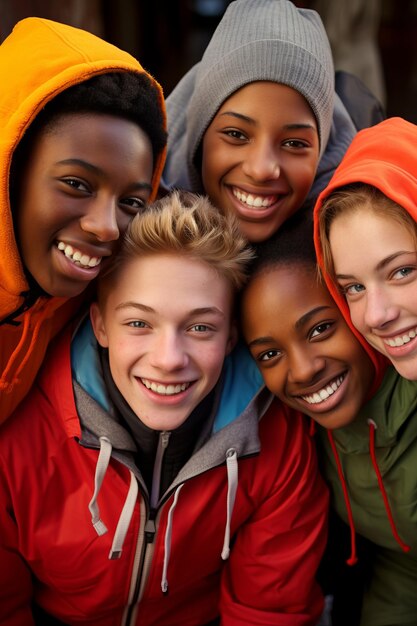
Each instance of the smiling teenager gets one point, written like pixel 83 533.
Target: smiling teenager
pixel 366 237
pixel 256 124
pixel 311 359
pixel 83 145
pixel 175 489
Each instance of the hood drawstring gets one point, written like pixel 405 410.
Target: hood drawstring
pixel 232 479
pixel 167 542
pixel 131 498
pixel 101 469
pixel 124 519
pixel 232 482
pixel 353 558
pixel 372 429
pixel 128 507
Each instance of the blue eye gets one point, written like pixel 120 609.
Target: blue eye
pixel 403 272
pixel 351 290
pixel 137 324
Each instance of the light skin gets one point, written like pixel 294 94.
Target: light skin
pixel 85 179
pixel 260 156
pixel 308 356
pixel 166 353
pixel 375 262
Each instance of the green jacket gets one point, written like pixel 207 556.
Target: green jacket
pixel 391 598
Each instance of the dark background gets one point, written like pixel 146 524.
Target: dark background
pixel 168 36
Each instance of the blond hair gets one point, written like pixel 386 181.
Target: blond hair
pixel 187 224
pixel 350 199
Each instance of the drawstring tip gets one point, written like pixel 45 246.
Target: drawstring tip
pixel 99 527
pixel 352 560
pixel 114 555
pixel 164 587
pixel 225 554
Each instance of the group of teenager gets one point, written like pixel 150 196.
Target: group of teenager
pixel 208 311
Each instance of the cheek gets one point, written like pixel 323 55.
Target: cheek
pixel 356 312
pixel 274 381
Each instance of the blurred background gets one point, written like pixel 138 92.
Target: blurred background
pixel 375 39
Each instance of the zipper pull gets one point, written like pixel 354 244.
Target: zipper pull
pixel 150 528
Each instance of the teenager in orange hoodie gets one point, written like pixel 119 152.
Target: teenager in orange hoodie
pixel 82 130
pixel 366 238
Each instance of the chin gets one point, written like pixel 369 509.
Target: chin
pixel 408 371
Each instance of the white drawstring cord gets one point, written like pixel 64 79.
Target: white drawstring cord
pixel 167 542
pixel 101 469
pixel 232 479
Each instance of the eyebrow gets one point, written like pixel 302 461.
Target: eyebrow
pixel 96 170
pixel 147 309
pixel 379 266
pixel 307 316
pixel 250 120
pixel 260 341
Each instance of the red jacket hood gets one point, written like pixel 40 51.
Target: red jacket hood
pixel 381 156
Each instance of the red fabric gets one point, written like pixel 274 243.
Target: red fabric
pixel 46 481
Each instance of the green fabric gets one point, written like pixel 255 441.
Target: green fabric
pixel 392 597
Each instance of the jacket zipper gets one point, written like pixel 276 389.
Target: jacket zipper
pixel 146 547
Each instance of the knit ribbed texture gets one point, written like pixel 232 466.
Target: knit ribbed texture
pixel 264 40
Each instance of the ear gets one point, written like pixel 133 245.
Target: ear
pixel 233 337
pixel 98 325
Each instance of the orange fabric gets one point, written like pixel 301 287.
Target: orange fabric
pixel 39 59
pixel 383 156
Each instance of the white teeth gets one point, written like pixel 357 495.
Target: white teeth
pixel 254 201
pixel 165 390
pixel 401 340
pixel 83 260
pixel 324 393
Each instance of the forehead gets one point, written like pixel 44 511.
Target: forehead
pixel 283 294
pixel 260 95
pixel 171 281
pixel 365 236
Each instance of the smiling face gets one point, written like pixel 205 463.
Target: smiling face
pixel 260 156
pixel 375 263
pixel 85 178
pixel 166 353
pixel 306 353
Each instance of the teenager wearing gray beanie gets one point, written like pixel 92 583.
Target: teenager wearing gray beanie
pixel 257 40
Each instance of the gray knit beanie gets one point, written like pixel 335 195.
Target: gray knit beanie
pixel 269 40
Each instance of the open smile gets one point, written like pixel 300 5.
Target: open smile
pixel 171 389
pixel 255 201
pixel 400 340
pixel 78 257
pixel 325 392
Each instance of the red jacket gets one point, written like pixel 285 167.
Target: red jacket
pixel 48 461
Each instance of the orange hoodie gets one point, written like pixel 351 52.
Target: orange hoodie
pixel 39 59
pixel 383 156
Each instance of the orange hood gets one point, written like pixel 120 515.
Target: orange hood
pixel 383 156
pixel 39 59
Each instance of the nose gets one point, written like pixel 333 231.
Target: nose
pixel 168 352
pixel 305 366
pixel 261 162
pixel 379 309
pixel 101 220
